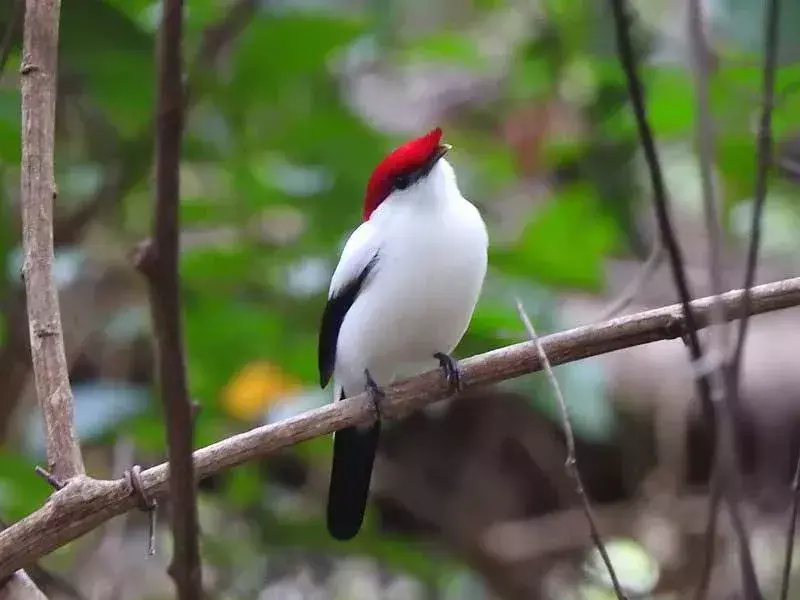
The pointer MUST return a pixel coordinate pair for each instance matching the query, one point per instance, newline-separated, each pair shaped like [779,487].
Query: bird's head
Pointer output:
[409,169]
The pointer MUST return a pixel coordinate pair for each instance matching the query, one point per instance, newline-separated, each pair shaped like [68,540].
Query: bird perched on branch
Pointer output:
[400,300]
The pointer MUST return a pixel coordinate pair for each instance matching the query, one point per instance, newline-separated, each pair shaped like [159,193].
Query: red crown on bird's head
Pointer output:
[410,156]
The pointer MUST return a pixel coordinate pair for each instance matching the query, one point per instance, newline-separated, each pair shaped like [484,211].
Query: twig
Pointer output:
[571,461]
[726,457]
[559,532]
[38,70]
[130,163]
[133,155]
[11,30]
[159,264]
[764,160]
[87,503]
[674,254]
[633,288]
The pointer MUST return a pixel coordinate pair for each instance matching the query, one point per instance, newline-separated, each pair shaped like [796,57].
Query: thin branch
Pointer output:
[620,10]
[130,163]
[764,160]
[11,30]
[38,70]
[726,457]
[159,263]
[87,503]
[571,462]
[133,155]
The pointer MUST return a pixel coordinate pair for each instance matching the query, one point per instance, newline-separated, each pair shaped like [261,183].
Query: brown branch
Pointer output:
[722,385]
[38,70]
[131,162]
[87,503]
[571,462]
[158,262]
[133,155]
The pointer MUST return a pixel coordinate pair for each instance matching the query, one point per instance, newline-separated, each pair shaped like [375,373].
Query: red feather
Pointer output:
[407,157]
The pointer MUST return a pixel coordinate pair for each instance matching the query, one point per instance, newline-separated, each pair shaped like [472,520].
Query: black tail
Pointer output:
[353,456]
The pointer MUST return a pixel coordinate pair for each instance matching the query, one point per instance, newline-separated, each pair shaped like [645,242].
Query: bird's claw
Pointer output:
[451,370]
[376,394]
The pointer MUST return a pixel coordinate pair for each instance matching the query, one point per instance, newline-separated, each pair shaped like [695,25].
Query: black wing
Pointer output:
[332,319]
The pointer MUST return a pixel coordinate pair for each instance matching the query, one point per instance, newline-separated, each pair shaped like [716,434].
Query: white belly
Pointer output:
[419,302]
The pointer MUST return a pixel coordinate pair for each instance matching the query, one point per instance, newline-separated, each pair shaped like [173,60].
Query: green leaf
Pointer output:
[279,51]
[113,56]
[565,243]
[21,490]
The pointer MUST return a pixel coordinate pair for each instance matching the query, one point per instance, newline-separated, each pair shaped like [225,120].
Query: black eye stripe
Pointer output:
[402,181]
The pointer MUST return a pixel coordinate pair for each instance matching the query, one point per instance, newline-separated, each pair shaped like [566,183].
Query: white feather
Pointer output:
[357,252]
[420,297]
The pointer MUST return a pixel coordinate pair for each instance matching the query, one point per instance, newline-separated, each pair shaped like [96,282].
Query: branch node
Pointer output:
[54,482]
[27,68]
[45,331]
[144,502]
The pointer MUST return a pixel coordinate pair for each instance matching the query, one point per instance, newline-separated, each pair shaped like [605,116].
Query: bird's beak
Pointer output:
[441,150]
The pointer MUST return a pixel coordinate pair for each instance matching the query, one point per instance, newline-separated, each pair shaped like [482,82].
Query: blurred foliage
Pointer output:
[275,162]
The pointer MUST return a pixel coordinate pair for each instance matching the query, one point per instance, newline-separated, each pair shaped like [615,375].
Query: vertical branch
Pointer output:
[571,463]
[627,60]
[158,261]
[764,162]
[722,390]
[38,192]
[625,52]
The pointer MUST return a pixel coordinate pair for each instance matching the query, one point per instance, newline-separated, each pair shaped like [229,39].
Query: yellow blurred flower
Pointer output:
[254,388]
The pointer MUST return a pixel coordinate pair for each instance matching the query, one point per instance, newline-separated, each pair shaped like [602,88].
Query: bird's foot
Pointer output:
[375,393]
[451,370]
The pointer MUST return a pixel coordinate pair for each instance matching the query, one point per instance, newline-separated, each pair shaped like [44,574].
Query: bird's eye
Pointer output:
[401,182]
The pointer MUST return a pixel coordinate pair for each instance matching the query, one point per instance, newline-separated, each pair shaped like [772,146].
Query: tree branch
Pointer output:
[571,462]
[38,70]
[87,503]
[722,386]
[158,262]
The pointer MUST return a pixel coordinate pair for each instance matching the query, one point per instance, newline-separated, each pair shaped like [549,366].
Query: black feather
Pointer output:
[353,448]
[332,319]
[354,451]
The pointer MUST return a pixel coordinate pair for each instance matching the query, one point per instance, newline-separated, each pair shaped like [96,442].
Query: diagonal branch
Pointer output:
[622,18]
[38,73]
[87,503]
[158,262]
[572,459]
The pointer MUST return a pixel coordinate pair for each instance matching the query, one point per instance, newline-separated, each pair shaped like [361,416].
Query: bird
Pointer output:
[400,299]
